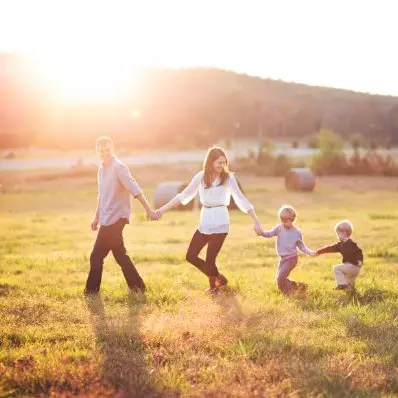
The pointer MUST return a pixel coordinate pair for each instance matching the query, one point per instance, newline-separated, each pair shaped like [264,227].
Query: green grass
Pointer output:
[176,340]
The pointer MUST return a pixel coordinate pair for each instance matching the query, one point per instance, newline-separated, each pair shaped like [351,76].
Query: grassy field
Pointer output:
[176,340]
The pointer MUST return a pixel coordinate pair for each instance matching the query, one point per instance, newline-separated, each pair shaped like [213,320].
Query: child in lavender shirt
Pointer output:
[289,238]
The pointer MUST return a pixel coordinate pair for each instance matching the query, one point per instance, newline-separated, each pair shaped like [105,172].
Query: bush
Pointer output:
[329,142]
[331,160]
[265,156]
[264,159]
[372,163]
[251,154]
[295,145]
[373,145]
[324,164]
[380,164]
[387,144]
[356,141]
[281,164]
[276,166]
[312,142]
[266,147]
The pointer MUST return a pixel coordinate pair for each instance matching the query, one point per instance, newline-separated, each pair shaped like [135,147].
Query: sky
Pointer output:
[346,44]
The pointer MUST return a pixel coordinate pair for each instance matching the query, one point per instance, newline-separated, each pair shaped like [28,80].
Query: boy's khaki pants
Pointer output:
[346,273]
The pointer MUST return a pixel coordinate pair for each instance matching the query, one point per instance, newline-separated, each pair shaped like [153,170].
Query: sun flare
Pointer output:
[87,77]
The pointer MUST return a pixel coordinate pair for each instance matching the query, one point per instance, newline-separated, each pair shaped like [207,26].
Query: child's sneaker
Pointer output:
[342,287]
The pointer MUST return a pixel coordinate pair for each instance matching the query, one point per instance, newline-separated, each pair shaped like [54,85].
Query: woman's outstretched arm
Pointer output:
[243,204]
[185,196]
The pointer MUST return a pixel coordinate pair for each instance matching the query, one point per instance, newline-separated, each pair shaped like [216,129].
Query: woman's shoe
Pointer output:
[221,280]
[213,282]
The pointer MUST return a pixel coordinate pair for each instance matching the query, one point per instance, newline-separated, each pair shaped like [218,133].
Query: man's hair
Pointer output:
[287,211]
[344,225]
[104,140]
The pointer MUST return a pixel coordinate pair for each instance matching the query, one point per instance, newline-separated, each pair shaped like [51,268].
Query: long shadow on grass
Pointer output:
[305,368]
[317,300]
[381,341]
[371,296]
[125,366]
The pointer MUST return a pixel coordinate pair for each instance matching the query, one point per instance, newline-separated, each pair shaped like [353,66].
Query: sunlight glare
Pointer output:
[86,77]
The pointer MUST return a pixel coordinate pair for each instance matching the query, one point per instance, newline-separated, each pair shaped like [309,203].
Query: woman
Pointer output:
[215,185]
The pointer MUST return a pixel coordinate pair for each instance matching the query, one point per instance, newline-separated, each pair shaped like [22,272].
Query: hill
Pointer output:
[186,107]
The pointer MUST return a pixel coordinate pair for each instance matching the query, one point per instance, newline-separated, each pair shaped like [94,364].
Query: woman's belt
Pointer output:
[212,207]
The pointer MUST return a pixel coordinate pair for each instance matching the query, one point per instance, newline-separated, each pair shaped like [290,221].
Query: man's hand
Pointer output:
[94,225]
[153,215]
[159,212]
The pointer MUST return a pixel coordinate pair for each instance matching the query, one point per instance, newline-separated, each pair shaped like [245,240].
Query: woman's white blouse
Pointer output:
[214,220]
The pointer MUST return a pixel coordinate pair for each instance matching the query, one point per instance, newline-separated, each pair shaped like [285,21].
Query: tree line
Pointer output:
[187,107]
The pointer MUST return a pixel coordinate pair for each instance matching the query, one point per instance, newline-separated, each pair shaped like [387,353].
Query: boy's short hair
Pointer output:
[287,211]
[103,140]
[344,225]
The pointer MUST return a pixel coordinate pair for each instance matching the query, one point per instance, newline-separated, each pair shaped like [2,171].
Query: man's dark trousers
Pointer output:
[110,238]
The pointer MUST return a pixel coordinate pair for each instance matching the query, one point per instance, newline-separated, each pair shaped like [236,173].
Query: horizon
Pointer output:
[333,44]
[230,70]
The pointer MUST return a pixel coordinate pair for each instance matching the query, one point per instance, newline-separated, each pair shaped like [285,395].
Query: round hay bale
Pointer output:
[300,179]
[166,191]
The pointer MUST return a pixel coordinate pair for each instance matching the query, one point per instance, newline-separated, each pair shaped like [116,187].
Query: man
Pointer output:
[115,185]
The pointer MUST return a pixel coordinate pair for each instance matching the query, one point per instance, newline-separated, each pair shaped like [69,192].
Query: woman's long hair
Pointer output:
[212,155]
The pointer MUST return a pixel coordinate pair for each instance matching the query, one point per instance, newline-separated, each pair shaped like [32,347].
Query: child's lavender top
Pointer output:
[288,240]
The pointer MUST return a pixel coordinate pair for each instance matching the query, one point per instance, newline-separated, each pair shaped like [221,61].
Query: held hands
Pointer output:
[153,215]
[160,212]
[258,229]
